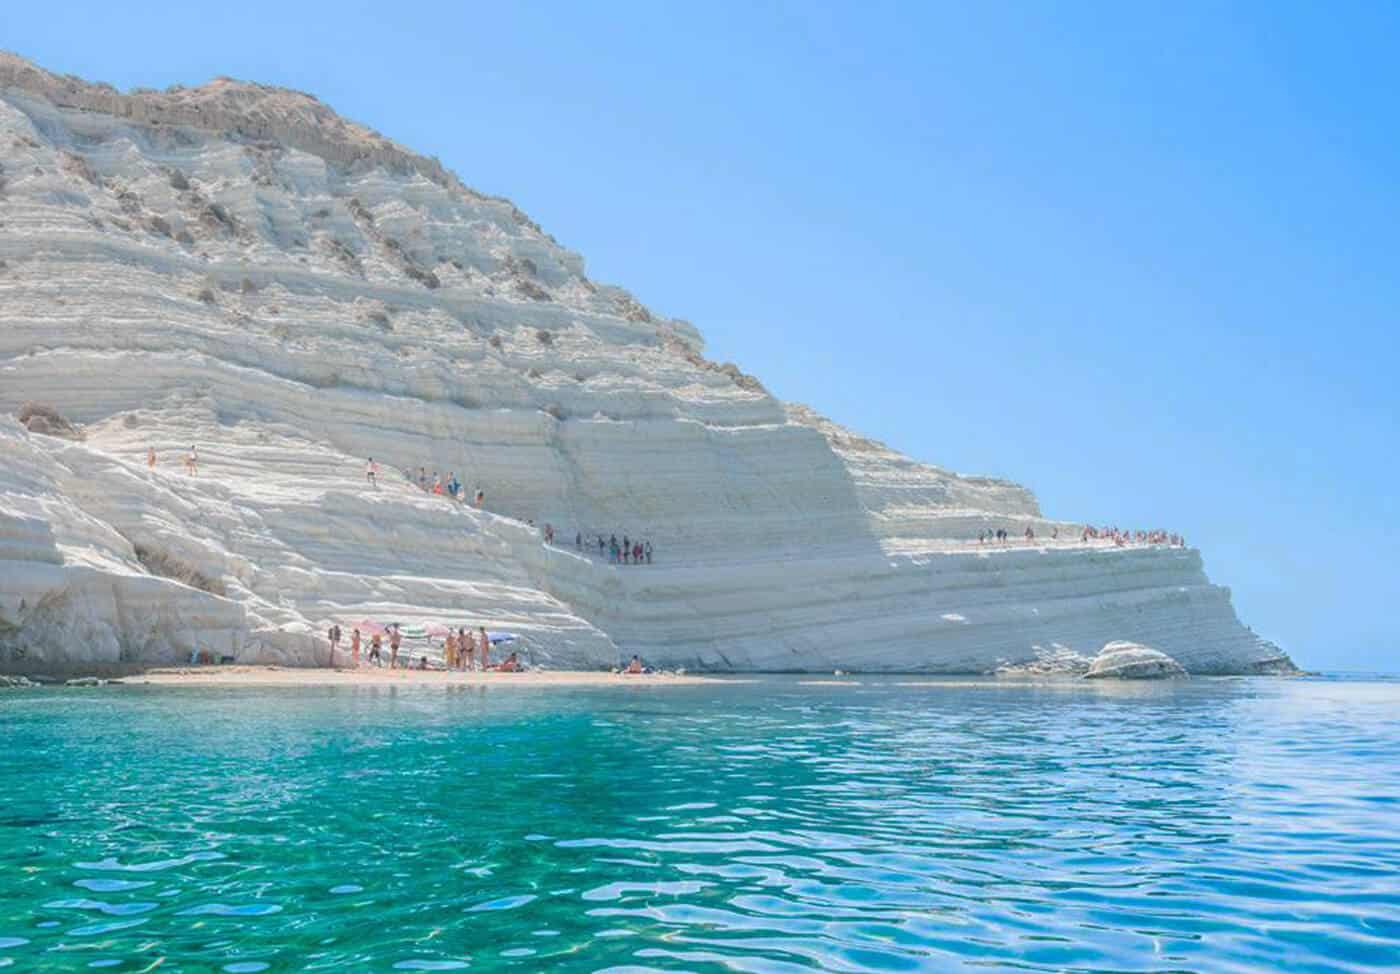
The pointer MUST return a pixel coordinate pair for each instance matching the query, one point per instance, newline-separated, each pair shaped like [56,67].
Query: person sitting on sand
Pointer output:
[422,662]
[511,664]
[355,648]
[635,666]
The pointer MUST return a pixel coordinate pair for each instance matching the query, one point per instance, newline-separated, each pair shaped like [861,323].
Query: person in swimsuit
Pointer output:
[485,647]
[375,643]
[449,651]
[333,635]
[355,648]
[372,473]
[151,457]
[394,647]
[635,666]
[192,462]
[466,648]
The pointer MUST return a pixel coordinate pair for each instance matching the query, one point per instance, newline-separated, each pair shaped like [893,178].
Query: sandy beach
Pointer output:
[277,676]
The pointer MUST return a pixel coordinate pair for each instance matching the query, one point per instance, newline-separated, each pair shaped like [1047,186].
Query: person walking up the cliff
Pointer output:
[372,473]
[151,457]
[192,461]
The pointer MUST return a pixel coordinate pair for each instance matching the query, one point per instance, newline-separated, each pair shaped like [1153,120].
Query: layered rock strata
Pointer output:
[237,268]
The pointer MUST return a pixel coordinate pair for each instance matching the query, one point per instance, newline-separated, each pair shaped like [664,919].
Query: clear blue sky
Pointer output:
[1146,261]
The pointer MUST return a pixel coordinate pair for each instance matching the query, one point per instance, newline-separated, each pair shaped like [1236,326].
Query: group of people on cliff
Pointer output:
[625,552]
[1120,538]
[451,487]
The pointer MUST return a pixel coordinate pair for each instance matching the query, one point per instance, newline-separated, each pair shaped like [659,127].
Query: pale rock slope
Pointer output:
[235,266]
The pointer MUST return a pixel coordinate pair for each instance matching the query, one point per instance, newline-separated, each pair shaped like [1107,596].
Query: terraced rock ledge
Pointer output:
[235,266]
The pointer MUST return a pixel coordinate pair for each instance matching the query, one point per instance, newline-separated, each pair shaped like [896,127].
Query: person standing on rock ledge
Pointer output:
[192,461]
[372,473]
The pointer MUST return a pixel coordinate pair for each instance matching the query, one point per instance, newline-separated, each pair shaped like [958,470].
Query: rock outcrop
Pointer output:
[1122,660]
[237,268]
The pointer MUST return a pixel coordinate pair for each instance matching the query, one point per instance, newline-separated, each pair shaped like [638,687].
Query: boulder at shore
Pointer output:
[1133,661]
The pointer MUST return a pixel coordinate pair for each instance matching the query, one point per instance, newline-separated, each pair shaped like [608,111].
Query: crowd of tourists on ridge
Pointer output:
[1118,537]
[628,551]
[631,551]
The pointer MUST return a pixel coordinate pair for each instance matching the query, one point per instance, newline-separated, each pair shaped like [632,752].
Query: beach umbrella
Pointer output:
[414,632]
[370,626]
[501,637]
[438,630]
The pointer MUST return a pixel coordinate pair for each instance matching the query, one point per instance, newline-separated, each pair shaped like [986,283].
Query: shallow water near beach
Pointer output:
[1210,825]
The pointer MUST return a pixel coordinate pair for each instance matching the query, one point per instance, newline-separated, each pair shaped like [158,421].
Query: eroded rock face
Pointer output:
[236,267]
[1133,661]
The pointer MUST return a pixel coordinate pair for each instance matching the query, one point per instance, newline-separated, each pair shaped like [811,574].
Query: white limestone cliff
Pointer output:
[234,266]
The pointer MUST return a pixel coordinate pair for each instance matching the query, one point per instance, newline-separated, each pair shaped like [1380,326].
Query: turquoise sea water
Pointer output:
[1231,825]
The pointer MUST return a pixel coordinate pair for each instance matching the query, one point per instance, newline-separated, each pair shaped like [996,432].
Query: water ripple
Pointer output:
[1212,825]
